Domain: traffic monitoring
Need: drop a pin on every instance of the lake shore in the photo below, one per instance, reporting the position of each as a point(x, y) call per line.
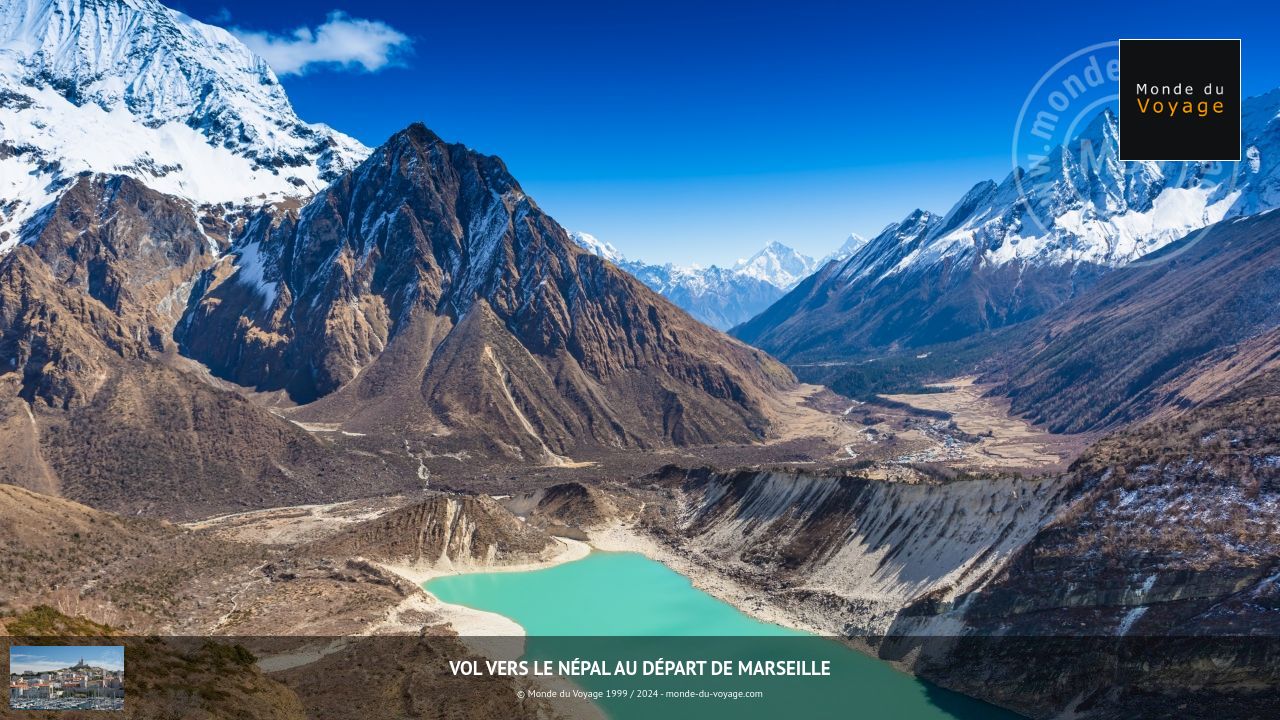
point(469, 622)
point(746, 599)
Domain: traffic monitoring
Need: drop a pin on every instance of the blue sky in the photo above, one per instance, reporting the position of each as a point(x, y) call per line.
point(23, 658)
point(689, 132)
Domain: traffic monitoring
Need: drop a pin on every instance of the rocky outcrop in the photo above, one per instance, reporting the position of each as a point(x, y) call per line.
point(572, 506)
point(97, 409)
point(443, 531)
point(426, 292)
point(1159, 577)
point(849, 553)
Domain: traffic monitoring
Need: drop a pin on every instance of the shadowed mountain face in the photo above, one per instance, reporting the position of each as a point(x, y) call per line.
point(878, 299)
point(1188, 324)
point(427, 293)
point(94, 406)
point(465, 531)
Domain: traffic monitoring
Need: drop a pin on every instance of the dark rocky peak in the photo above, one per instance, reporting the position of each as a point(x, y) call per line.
point(388, 266)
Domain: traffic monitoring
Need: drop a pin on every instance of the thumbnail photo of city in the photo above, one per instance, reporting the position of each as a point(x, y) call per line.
point(66, 677)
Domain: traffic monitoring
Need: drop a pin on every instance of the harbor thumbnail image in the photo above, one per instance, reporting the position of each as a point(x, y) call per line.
point(66, 677)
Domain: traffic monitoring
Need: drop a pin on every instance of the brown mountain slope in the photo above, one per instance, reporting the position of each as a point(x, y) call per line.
point(1152, 592)
point(102, 280)
point(130, 248)
point(425, 292)
point(1198, 315)
point(128, 572)
point(167, 677)
point(91, 406)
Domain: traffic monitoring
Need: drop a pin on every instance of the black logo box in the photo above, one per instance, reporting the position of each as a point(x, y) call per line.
point(1188, 65)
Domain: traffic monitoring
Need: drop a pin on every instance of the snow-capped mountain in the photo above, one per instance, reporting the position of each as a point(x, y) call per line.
point(1082, 204)
point(777, 265)
point(719, 297)
point(598, 247)
point(134, 88)
point(851, 245)
point(1009, 251)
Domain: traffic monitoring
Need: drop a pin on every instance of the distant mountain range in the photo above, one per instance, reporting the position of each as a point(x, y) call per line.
point(723, 297)
point(1010, 251)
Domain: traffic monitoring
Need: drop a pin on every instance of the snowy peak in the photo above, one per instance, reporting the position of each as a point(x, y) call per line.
point(719, 297)
point(130, 53)
point(1010, 251)
point(778, 265)
point(775, 264)
point(132, 87)
point(851, 245)
point(726, 297)
point(1081, 204)
point(162, 67)
point(598, 247)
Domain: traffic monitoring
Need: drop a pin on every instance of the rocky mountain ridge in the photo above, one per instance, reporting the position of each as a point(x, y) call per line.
point(428, 258)
point(1010, 251)
point(1162, 336)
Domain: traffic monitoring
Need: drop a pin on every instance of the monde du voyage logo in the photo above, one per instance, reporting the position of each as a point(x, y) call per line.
point(1180, 100)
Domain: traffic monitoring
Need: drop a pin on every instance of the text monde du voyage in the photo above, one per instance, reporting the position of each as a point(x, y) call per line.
point(642, 668)
point(1181, 99)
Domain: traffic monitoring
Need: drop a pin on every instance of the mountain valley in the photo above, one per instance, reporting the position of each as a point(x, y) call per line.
point(993, 442)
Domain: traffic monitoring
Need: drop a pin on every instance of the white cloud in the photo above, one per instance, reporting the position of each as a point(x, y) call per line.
point(341, 41)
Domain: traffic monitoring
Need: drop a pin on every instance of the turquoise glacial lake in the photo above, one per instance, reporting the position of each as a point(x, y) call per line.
point(623, 606)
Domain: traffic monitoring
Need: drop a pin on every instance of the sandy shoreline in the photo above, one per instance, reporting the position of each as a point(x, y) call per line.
point(469, 622)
